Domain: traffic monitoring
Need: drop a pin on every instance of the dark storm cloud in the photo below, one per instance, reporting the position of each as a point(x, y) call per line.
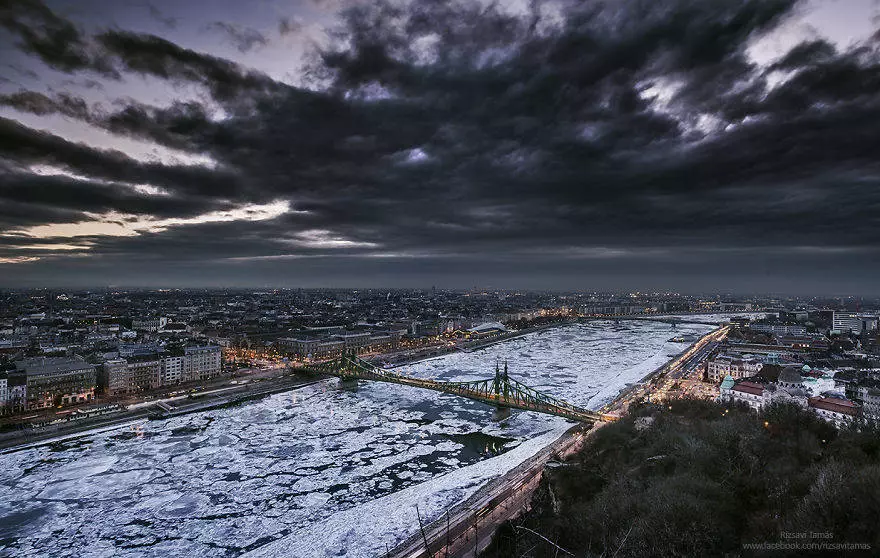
point(25, 146)
point(182, 125)
point(155, 56)
point(453, 132)
point(40, 104)
point(61, 45)
point(186, 243)
point(804, 54)
point(67, 193)
point(56, 41)
point(14, 215)
point(289, 26)
point(30, 74)
point(244, 39)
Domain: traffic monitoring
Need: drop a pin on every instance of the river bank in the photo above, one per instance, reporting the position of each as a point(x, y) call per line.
point(397, 360)
point(468, 527)
point(200, 401)
point(482, 344)
point(216, 395)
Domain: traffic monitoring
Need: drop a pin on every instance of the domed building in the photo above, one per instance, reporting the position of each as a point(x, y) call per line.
point(774, 393)
point(789, 387)
point(790, 378)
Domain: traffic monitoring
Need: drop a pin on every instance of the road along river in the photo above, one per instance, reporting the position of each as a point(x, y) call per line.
point(316, 471)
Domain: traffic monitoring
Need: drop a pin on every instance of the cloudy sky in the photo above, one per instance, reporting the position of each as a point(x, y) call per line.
point(647, 144)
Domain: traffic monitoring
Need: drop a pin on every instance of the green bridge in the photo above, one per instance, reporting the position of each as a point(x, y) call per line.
point(502, 391)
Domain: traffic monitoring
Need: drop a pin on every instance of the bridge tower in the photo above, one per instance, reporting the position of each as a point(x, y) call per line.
point(346, 381)
point(501, 389)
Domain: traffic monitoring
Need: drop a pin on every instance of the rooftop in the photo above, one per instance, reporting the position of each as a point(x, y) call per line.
point(753, 388)
point(49, 366)
point(835, 404)
point(198, 349)
point(791, 375)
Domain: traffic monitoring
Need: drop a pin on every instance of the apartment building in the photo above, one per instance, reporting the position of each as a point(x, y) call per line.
point(201, 363)
point(56, 381)
point(172, 370)
point(333, 345)
point(846, 322)
point(148, 324)
point(778, 329)
point(139, 373)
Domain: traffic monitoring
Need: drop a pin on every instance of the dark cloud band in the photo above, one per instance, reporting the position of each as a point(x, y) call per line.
point(445, 131)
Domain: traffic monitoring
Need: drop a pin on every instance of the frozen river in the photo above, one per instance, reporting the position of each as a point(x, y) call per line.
point(313, 472)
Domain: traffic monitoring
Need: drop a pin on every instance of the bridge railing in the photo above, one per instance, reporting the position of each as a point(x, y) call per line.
point(501, 390)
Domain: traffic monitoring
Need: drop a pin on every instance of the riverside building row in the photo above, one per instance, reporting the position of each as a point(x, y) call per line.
point(332, 344)
point(44, 382)
point(144, 371)
point(51, 382)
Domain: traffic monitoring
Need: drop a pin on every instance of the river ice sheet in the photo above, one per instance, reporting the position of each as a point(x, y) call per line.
point(317, 471)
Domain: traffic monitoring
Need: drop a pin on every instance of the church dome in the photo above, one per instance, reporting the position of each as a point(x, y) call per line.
point(790, 375)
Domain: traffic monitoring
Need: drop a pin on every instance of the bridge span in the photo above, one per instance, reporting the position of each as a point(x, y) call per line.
point(502, 391)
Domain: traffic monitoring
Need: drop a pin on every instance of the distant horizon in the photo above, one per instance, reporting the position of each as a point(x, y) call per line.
point(60, 289)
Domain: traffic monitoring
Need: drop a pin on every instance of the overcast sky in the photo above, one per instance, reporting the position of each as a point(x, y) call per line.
point(685, 145)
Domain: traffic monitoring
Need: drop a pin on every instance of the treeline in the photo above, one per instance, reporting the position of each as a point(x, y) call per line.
point(698, 479)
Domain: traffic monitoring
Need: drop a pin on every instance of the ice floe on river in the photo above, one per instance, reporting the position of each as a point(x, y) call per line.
point(317, 471)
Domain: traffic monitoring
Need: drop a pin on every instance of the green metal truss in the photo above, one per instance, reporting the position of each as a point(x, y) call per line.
point(501, 390)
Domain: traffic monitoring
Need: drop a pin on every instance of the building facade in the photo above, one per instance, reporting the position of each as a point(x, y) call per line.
point(16, 394)
point(835, 410)
point(57, 381)
point(735, 367)
point(334, 345)
point(354, 341)
point(846, 322)
point(749, 393)
point(149, 324)
point(115, 376)
point(4, 391)
point(778, 329)
point(202, 363)
point(145, 372)
point(172, 370)
point(132, 375)
point(300, 345)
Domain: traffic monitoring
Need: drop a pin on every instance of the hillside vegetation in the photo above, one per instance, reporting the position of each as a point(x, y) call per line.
point(698, 479)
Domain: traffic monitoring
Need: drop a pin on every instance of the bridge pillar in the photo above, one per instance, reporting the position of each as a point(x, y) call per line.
point(348, 383)
point(500, 413)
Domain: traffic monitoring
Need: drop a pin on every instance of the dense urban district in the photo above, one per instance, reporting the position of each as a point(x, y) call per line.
point(67, 356)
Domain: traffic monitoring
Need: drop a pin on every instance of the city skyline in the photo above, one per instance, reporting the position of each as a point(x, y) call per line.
point(676, 145)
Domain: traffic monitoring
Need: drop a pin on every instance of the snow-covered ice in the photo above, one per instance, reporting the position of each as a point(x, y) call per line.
point(317, 471)
point(710, 318)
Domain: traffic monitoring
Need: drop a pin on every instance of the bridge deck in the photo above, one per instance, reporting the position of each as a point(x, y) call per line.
point(500, 391)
